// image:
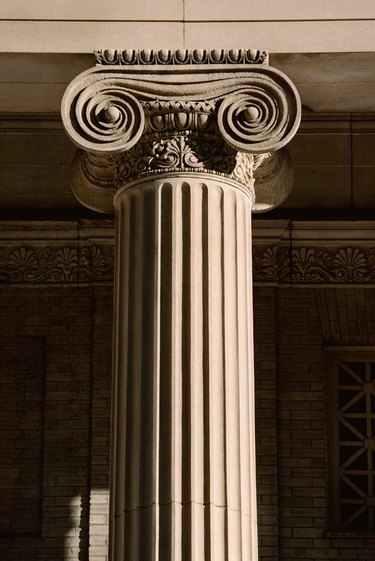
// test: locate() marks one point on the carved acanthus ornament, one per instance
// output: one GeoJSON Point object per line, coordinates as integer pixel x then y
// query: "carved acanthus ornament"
{"type": "Point", "coordinates": [205, 111]}
{"type": "Point", "coordinates": [341, 263]}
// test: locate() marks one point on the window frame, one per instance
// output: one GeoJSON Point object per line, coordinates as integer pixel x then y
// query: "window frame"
{"type": "Point", "coordinates": [335, 356]}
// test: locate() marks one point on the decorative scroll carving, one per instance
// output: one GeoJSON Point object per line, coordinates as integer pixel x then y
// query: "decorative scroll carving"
{"type": "Point", "coordinates": [111, 120]}
{"type": "Point", "coordinates": [255, 119]}
{"type": "Point", "coordinates": [181, 56]}
{"type": "Point", "coordinates": [203, 115]}
{"type": "Point", "coordinates": [314, 265]}
{"type": "Point", "coordinates": [255, 112]}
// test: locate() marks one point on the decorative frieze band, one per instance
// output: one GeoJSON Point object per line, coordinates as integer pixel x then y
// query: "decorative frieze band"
{"type": "Point", "coordinates": [314, 265]}
{"type": "Point", "coordinates": [57, 264]}
{"type": "Point", "coordinates": [85, 255]}
{"type": "Point", "coordinates": [56, 253]}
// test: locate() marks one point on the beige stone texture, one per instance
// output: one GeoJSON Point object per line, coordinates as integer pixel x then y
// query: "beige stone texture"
{"type": "Point", "coordinates": [278, 37]}
{"type": "Point", "coordinates": [86, 36]}
{"type": "Point", "coordinates": [164, 10]}
{"type": "Point", "coordinates": [273, 10]}
{"type": "Point", "coordinates": [291, 26]}
{"type": "Point", "coordinates": [94, 10]}
{"type": "Point", "coordinates": [285, 36]}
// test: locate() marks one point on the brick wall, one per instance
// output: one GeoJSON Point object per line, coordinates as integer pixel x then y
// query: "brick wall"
{"type": "Point", "coordinates": [21, 420]}
{"type": "Point", "coordinates": [301, 426]}
{"type": "Point", "coordinates": [100, 435]}
{"type": "Point", "coordinates": [266, 420]}
{"type": "Point", "coordinates": [46, 337]}
{"type": "Point", "coordinates": [302, 430]}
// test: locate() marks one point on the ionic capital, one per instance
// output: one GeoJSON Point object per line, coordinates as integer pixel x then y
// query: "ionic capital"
{"type": "Point", "coordinates": [140, 114]}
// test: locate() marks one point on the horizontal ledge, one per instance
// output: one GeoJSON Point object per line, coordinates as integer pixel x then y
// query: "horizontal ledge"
{"type": "Point", "coordinates": [189, 9]}
{"type": "Point", "coordinates": [277, 36]}
{"type": "Point", "coordinates": [287, 9]}
{"type": "Point", "coordinates": [187, 21]}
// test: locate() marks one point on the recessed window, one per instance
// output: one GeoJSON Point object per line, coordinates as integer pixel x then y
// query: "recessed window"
{"type": "Point", "coordinates": [352, 443]}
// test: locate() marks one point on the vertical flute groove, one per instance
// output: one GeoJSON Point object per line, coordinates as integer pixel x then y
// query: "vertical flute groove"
{"type": "Point", "coordinates": [187, 454]}
{"type": "Point", "coordinates": [206, 375]}
{"type": "Point", "coordinates": [165, 374]}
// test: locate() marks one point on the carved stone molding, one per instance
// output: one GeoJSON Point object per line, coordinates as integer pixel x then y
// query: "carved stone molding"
{"type": "Point", "coordinates": [84, 255]}
{"type": "Point", "coordinates": [185, 153]}
{"type": "Point", "coordinates": [67, 264]}
{"type": "Point", "coordinates": [347, 265]}
{"type": "Point", "coordinates": [314, 253]}
{"type": "Point", "coordinates": [257, 109]}
{"type": "Point", "coordinates": [181, 56]}
{"type": "Point", "coordinates": [56, 253]}
{"type": "Point", "coordinates": [207, 111]}
{"type": "Point", "coordinates": [27, 264]}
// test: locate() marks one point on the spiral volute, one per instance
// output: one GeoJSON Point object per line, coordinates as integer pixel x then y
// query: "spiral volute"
{"type": "Point", "coordinates": [110, 120]}
{"type": "Point", "coordinates": [256, 119]}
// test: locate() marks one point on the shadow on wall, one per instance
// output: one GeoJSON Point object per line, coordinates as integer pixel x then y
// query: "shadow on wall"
{"type": "Point", "coordinates": [55, 371]}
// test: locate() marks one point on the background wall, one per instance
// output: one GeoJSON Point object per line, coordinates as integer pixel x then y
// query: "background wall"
{"type": "Point", "coordinates": [55, 393]}
{"type": "Point", "coordinates": [55, 382]}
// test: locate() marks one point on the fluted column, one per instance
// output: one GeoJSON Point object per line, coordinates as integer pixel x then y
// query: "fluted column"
{"type": "Point", "coordinates": [175, 154]}
{"type": "Point", "coordinates": [183, 464]}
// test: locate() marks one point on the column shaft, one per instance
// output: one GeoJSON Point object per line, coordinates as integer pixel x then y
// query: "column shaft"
{"type": "Point", "coordinates": [183, 451]}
